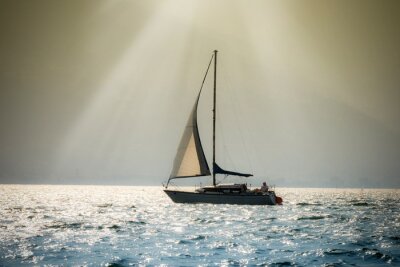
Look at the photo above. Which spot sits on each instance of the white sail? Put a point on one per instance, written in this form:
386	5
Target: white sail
190	159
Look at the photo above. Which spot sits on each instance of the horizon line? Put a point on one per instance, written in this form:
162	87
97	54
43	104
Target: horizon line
119	185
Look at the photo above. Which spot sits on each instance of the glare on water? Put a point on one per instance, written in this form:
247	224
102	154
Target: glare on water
106	225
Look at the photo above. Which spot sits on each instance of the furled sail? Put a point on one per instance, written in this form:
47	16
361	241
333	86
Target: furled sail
218	169
190	159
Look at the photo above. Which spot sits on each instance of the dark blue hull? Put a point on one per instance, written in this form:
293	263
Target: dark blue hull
247	198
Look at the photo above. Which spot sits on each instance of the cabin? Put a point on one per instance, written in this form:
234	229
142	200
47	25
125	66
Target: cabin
224	189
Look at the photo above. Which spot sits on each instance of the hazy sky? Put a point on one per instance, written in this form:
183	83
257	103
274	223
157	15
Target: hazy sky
100	91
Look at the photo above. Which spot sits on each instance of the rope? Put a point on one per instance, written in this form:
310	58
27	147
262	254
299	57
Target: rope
235	104
204	79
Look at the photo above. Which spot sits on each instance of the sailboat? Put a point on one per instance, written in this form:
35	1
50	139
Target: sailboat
190	161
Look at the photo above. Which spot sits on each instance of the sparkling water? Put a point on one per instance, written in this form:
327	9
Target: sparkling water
124	226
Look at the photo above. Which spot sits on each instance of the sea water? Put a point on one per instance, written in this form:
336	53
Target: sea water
126	226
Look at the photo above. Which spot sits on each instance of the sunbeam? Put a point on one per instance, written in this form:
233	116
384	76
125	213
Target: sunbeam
117	110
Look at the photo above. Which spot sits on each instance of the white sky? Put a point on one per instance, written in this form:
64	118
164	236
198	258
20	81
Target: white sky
99	92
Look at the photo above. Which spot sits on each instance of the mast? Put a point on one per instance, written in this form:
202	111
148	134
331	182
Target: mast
214	111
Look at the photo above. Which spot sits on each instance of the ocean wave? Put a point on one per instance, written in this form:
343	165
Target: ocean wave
308	204
315	217
376	254
360	204
63	225
105	205
338	251
282	263
121	263
99	226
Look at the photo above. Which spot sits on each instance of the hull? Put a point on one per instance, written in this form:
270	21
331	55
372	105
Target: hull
221	198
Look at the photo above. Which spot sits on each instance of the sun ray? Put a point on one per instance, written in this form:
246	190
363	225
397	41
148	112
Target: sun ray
117	107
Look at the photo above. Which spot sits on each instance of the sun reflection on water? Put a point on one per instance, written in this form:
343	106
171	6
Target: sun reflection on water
99	225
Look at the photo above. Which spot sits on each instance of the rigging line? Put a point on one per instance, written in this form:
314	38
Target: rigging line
233	97
221	131
198	99
227	155
225	149
204	79
225	176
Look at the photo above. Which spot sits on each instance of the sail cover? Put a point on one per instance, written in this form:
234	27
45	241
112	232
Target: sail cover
218	169
190	159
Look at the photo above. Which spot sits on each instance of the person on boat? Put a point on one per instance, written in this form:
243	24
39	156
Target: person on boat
264	187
